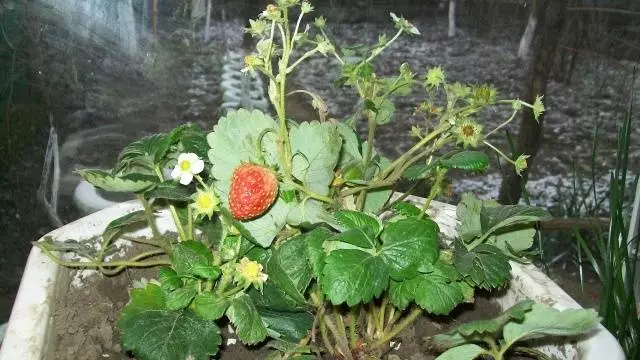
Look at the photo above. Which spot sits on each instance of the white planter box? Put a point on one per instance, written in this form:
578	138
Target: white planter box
28	334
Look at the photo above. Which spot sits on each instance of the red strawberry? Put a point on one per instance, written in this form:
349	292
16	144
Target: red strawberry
254	189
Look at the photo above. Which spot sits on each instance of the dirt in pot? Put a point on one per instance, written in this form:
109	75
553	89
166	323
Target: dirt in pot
86	310
412	344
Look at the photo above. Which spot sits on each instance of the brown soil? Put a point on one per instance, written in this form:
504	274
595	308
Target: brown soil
84	322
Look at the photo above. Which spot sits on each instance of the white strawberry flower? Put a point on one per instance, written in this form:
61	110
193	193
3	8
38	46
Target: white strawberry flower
188	165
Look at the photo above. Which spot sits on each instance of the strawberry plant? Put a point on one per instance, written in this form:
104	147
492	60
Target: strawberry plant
291	230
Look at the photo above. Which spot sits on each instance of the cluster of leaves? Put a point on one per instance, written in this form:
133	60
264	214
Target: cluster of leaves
322	242
504	334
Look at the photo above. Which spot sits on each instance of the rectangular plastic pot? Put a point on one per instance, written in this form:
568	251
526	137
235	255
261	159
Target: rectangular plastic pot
29	332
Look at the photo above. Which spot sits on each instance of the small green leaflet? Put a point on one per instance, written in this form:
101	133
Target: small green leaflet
290	326
350	150
120	224
315	252
376	199
180	298
169	190
543	320
468	212
147	152
248	322
152	332
189	258
494	218
407	243
437	294
265	228
316	148
169	279
125	183
292	255
354	276
462	352
369	225
467	160
210	306
485	266
406	209
384	112
482	327
513	241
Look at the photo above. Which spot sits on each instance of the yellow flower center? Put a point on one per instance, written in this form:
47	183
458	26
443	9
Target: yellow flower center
204	201
251	271
185	165
468	131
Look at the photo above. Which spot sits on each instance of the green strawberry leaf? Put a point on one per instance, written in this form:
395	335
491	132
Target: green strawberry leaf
265	228
354	276
194	140
126	183
407	243
308	213
468	212
369	225
316	148
248	322
292	255
350	151
375	200
462	352
406	209
169	279
467	160
494	218
315	251
190	257
384	112
152	332
169	190
402	293
513	241
180	298
146	152
437	294
485	266
354	239
493	326
119	224
418	171
543	321
210	306
288	326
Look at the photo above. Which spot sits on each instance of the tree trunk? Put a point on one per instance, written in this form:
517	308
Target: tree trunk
452	18
154	12
551	18
207	23
527	37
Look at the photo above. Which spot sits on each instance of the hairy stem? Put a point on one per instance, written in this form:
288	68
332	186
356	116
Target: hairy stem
408	320
172	210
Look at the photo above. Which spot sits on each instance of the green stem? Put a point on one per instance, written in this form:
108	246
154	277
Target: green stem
148	212
118	264
222	285
528	352
142	240
433	192
381	315
408	320
310	193
172	210
190	228
499	152
377	51
301	59
353	336
341	343
324	335
513	115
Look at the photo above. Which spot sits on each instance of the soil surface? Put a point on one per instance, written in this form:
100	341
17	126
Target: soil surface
91	335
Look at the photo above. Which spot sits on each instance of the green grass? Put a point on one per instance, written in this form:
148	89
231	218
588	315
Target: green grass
611	257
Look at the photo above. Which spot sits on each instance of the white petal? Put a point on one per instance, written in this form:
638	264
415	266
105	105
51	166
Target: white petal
191	157
185	178
197	166
175	173
182	157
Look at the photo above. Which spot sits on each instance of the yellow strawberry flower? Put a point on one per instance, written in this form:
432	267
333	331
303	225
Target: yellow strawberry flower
205	203
250	272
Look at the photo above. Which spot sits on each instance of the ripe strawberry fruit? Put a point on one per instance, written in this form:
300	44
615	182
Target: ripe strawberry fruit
254	189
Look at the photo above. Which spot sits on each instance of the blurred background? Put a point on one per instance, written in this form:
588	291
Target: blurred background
79	79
